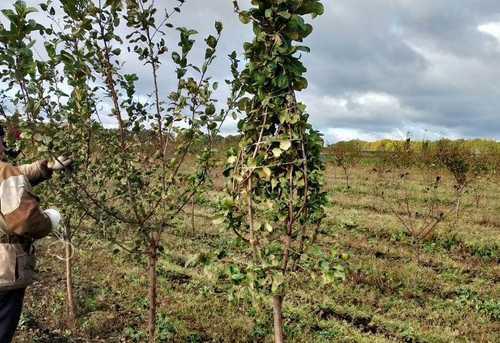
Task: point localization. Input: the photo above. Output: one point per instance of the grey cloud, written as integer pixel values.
(427, 56)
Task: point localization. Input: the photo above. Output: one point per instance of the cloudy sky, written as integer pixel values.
(383, 68)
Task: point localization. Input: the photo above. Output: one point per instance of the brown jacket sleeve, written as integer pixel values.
(36, 172)
(19, 206)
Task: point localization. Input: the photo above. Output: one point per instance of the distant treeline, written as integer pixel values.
(388, 145)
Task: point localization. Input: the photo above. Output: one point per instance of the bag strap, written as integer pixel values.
(3, 226)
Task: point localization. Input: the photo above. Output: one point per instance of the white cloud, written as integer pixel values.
(344, 134)
(376, 100)
(413, 130)
(363, 108)
(492, 29)
(371, 116)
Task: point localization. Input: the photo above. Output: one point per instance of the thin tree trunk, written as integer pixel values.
(253, 240)
(69, 285)
(459, 202)
(278, 318)
(192, 215)
(457, 208)
(153, 259)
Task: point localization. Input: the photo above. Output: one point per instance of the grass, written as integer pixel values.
(445, 289)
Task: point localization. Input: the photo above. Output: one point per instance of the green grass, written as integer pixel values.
(397, 290)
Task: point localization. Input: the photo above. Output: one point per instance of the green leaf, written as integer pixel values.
(210, 109)
(219, 27)
(303, 48)
(10, 14)
(115, 4)
(244, 17)
(51, 49)
(211, 42)
(300, 84)
(278, 281)
(176, 57)
(315, 8)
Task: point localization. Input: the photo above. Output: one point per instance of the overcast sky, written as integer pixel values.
(382, 68)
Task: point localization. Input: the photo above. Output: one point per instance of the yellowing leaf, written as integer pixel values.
(231, 159)
(268, 227)
(251, 163)
(267, 172)
(218, 221)
(269, 204)
(284, 117)
(285, 145)
(274, 183)
(277, 152)
(37, 137)
(300, 183)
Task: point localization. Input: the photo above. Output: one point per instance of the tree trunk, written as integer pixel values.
(457, 209)
(458, 204)
(152, 294)
(278, 318)
(346, 178)
(253, 241)
(192, 215)
(70, 294)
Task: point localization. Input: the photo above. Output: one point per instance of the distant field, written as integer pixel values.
(443, 290)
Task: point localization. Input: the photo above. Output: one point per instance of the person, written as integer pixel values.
(22, 222)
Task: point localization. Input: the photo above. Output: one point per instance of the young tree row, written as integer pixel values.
(132, 180)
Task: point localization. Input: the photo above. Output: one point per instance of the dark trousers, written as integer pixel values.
(11, 305)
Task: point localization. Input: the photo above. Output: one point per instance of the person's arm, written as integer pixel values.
(40, 171)
(20, 207)
(36, 172)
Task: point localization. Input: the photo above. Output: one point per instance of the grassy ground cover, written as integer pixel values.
(445, 289)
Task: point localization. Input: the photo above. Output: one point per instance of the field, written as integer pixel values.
(445, 289)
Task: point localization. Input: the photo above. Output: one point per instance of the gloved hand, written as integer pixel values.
(54, 216)
(60, 163)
